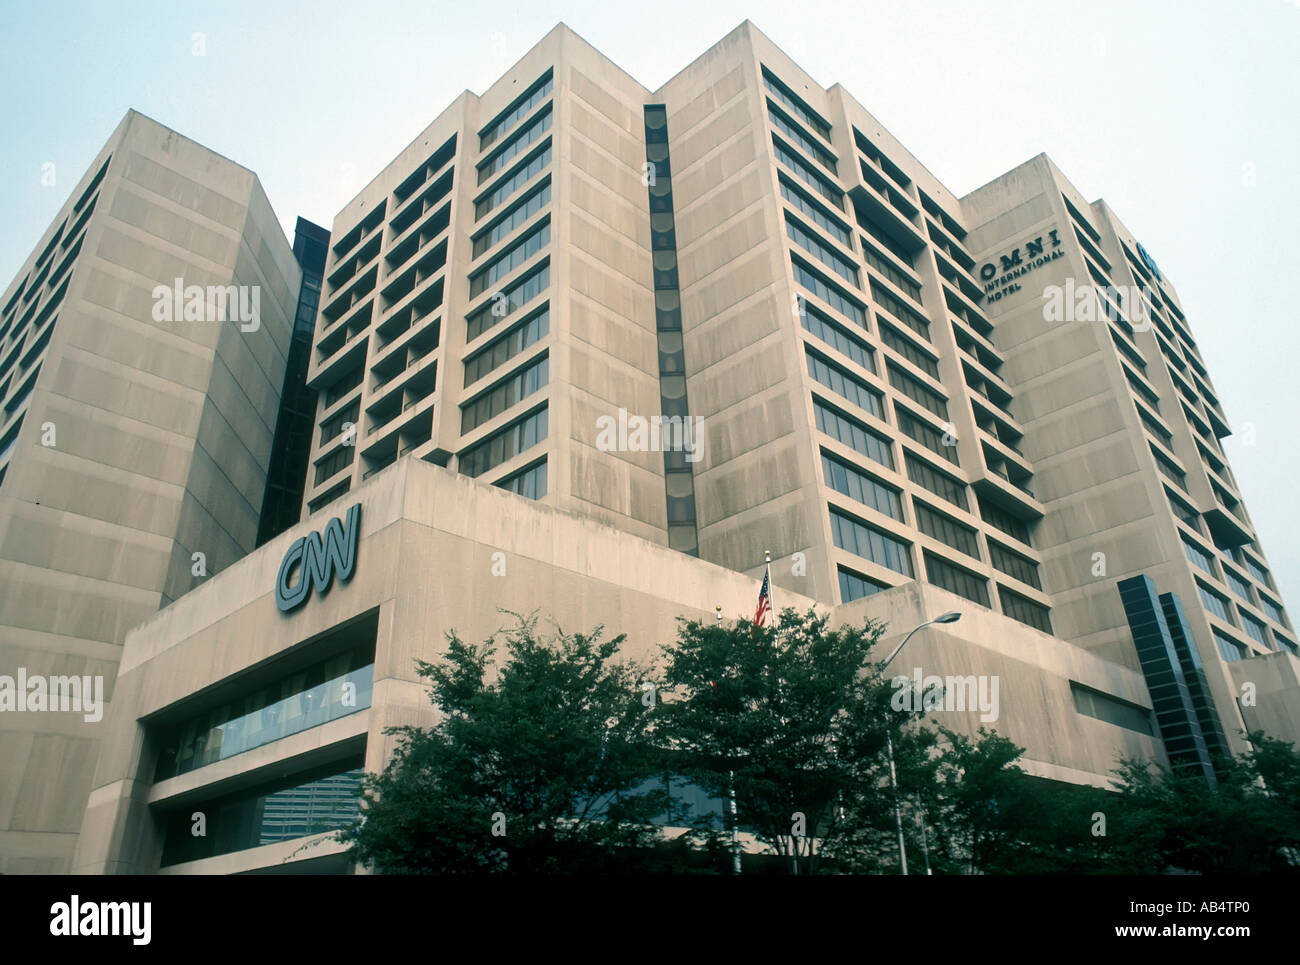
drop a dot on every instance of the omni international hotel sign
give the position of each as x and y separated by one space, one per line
999 277
318 560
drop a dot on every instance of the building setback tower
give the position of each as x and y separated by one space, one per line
748 249
135 438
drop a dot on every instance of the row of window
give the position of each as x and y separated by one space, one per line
506 443
940 443
508 301
854 434
814 212
807 174
836 335
882 265
907 349
828 256
521 141
528 170
519 338
829 293
525 209
791 130
904 313
787 97
529 483
921 394
845 384
499 398
518 253
856 484
517 110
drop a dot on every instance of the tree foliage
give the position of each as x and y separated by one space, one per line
535 769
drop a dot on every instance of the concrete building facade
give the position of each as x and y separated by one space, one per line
135 439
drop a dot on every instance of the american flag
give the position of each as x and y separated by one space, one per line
764 610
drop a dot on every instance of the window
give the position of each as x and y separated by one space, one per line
1099 706
1198 557
853 434
824 253
1257 571
527 135
334 462
878 261
931 479
1013 564
946 530
1215 603
510 259
1238 586
870 543
1024 610
507 302
348 381
1273 610
516 111
333 426
1169 470
886 240
324 799
1182 511
906 348
1257 631
927 435
807 174
505 443
836 335
904 313
521 176
1229 649
521 337
956 580
805 113
529 483
856 484
855 587
806 144
293 703
921 394
524 210
844 384
995 516
828 293
501 397
814 211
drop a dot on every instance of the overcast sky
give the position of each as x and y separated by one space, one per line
1182 115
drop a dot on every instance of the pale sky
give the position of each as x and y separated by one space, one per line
1182 115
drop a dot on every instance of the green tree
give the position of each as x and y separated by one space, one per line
1174 820
540 768
793 719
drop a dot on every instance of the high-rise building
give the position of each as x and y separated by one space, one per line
142 351
897 391
282 504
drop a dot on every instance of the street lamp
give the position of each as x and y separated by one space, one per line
952 616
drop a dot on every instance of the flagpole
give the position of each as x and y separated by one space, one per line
731 794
